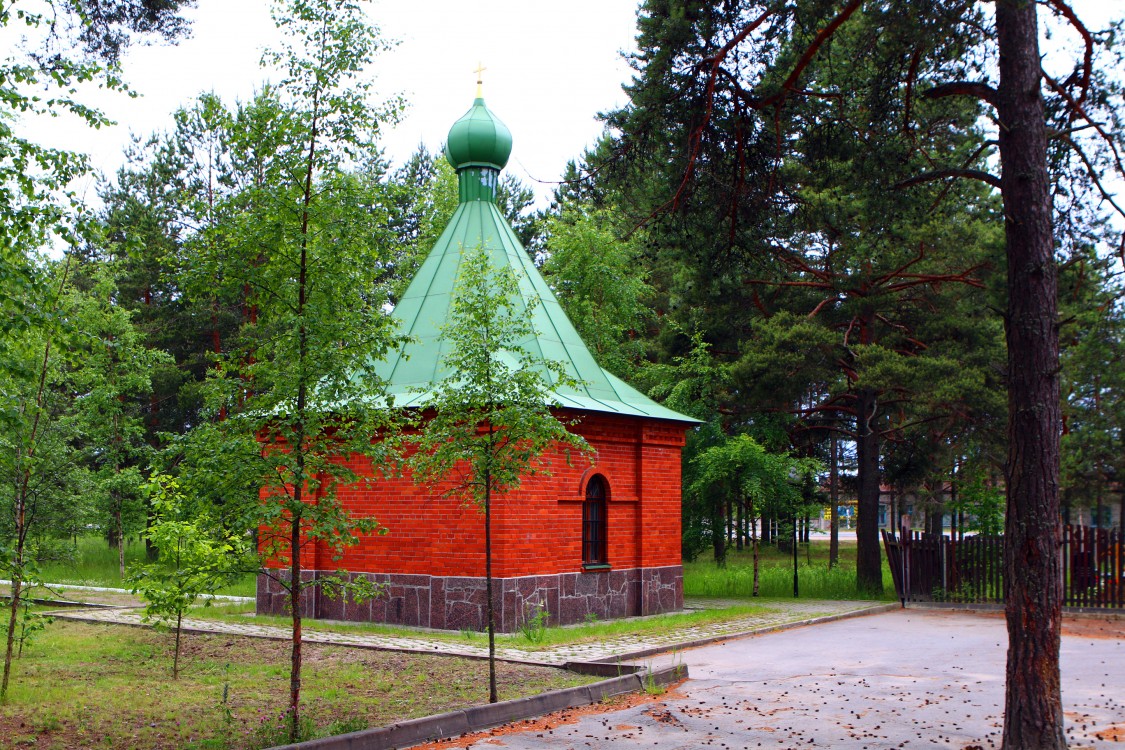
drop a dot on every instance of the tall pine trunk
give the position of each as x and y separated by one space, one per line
1033 717
869 562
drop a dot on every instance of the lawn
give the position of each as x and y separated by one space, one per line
86 685
814 578
95 563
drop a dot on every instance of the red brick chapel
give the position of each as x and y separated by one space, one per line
593 539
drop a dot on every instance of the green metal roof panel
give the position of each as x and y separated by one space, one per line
412 371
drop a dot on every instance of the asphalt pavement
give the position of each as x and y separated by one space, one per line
902 679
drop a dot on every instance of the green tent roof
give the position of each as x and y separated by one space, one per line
412 371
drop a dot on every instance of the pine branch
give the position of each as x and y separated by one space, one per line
943 174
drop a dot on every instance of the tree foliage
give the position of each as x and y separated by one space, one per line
489 422
841 147
295 240
198 557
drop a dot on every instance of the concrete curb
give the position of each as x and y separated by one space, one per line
633 655
456 723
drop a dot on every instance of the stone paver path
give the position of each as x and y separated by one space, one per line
779 614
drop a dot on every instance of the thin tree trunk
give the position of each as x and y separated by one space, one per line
754 545
730 522
738 527
492 695
295 586
1033 716
117 517
869 564
24 481
718 536
954 525
834 495
16 587
303 365
176 653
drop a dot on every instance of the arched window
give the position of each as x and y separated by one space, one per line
593 522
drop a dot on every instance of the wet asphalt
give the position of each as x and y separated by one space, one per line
902 679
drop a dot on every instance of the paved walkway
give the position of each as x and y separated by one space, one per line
898 680
779 615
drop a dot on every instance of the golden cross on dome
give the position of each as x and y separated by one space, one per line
480 69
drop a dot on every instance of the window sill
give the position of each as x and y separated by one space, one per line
596 566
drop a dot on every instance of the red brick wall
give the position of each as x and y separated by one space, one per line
537 530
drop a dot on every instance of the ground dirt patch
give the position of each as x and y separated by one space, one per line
1095 627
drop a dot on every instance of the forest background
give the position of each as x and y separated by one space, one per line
815 264
772 297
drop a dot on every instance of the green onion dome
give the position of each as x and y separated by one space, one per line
478 139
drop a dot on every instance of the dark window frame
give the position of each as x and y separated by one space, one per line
594 522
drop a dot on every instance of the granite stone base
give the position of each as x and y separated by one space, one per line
459 603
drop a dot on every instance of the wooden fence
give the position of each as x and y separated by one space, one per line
929 568
1093 567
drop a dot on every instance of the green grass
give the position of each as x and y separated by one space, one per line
96 564
814 578
86 685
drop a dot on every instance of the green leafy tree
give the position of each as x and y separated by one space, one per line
112 378
492 413
818 288
983 501
1093 385
741 469
59 46
424 191
38 466
197 558
295 384
595 273
691 384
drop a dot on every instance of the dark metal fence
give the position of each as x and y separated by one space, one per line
927 568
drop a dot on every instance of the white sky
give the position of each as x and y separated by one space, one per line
550 67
